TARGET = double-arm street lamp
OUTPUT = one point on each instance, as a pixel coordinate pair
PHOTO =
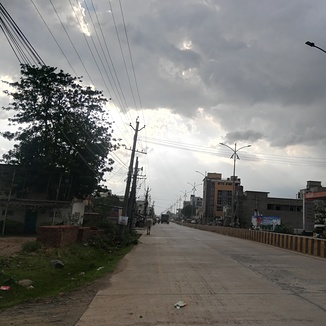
(193, 194)
(235, 156)
(193, 198)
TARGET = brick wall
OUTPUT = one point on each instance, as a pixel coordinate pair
(57, 236)
(83, 234)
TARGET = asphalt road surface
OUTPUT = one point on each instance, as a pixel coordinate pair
(223, 281)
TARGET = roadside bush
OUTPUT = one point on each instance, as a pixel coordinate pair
(101, 241)
(31, 246)
(113, 238)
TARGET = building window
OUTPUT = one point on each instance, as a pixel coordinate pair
(219, 208)
(224, 197)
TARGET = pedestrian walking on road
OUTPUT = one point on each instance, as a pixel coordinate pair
(149, 223)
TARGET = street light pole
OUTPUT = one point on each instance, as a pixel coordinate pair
(193, 198)
(204, 206)
(235, 156)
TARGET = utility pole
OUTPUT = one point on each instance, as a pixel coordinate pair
(146, 203)
(132, 198)
(7, 205)
(125, 209)
(152, 210)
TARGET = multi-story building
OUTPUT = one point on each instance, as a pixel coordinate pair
(217, 194)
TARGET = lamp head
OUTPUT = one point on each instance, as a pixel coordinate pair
(312, 44)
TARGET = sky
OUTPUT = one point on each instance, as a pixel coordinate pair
(194, 74)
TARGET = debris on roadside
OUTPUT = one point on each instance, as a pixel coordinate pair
(56, 263)
(26, 283)
(179, 304)
(4, 288)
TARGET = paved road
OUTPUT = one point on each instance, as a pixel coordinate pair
(223, 280)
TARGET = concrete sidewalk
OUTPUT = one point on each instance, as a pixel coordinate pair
(139, 293)
(223, 280)
(144, 289)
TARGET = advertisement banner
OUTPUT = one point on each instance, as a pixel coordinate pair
(265, 222)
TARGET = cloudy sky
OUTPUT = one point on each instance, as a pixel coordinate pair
(195, 73)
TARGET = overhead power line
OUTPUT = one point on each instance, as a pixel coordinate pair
(23, 50)
(258, 157)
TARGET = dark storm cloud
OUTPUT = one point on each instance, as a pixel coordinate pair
(243, 136)
(244, 62)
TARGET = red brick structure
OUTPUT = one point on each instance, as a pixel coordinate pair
(84, 233)
(58, 236)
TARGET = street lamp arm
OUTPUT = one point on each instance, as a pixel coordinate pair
(234, 150)
(227, 146)
(243, 147)
(313, 45)
(204, 175)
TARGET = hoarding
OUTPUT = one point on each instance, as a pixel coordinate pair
(265, 222)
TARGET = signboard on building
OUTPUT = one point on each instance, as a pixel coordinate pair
(269, 223)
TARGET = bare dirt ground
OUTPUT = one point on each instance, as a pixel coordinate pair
(64, 310)
(10, 245)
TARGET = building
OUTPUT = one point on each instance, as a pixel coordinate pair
(217, 194)
(30, 198)
(297, 215)
(257, 203)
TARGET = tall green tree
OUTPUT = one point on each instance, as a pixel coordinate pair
(61, 125)
(187, 211)
(320, 212)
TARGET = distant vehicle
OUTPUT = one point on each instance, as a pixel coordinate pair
(165, 218)
(193, 222)
(319, 231)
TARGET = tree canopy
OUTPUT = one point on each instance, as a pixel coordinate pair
(61, 125)
(187, 211)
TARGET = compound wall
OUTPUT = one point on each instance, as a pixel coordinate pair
(305, 245)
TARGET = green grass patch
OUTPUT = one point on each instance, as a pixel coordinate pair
(82, 264)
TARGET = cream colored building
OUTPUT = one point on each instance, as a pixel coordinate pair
(217, 195)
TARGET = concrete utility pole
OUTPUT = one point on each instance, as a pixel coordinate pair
(146, 203)
(127, 191)
(132, 199)
(7, 205)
